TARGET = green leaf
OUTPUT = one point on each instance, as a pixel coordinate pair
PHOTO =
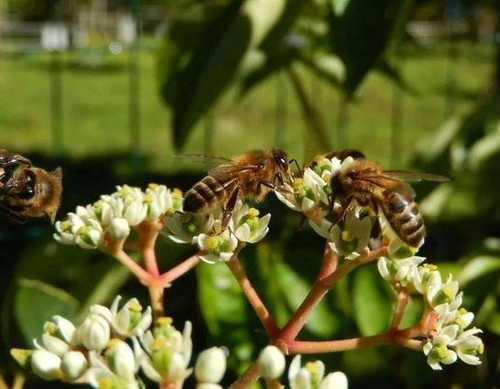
(478, 267)
(484, 149)
(106, 288)
(372, 304)
(272, 64)
(493, 323)
(193, 85)
(322, 323)
(447, 268)
(327, 66)
(227, 313)
(36, 302)
(361, 33)
(394, 74)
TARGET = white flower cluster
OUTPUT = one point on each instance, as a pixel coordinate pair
(97, 352)
(217, 244)
(311, 194)
(271, 364)
(112, 217)
(450, 337)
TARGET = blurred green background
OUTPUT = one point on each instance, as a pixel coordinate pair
(113, 91)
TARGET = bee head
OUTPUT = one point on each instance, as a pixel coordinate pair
(49, 191)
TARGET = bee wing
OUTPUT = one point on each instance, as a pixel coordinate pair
(414, 176)
(387, 182)
(230, 170)
(207, 161)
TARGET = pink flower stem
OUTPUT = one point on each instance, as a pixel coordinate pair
(252, 296)
(401, 303)
(312, 347)
(179, 270)
(148, 234)
(327, 277)
(143, 276)
(247, 379)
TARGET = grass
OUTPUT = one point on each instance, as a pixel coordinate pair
(95, 108)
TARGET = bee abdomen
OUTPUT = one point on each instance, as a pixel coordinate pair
(204, 195)
(406, 220)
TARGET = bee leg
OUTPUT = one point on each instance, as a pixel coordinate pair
(228, 211)
(14, 161)
(344, 207)
(268, 184)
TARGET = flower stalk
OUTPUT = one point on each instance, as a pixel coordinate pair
(251, 375)
(252, 296)
(328, 276)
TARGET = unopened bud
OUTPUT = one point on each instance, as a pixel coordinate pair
(94, 332)
(336, 380)
(271, 362)
(119, 228)
(46, 364)
(73, 365)
(121, 358)
(210, 365)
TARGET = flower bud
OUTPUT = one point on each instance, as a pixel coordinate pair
(54, 345)
(336, 380)
(64, 234)
(121, 358)
(271, 362)
(46, 364)
(94, 332)
(135, 212)
(104, 212)
(210, 365)
(65, 329)
(89, 236)
(119, 228)
(73, 365)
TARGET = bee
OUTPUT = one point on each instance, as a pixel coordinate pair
(27, 191)
(384, 191)
(253, 174)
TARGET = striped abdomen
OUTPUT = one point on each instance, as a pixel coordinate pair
(206, 194)
(405, 218)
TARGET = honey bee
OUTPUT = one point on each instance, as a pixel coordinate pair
(27, 191)
(253, 174)
(384, 191)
